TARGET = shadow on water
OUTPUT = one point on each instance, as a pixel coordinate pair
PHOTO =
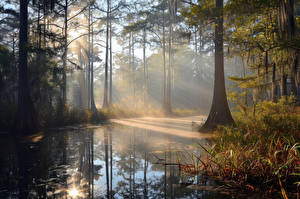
(107, 162)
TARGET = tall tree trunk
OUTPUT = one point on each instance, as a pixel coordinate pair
(274, 88)
(129, 61)
(283, 86)
(64, 86)
(105, 98)
(89, 59)
(25, 120)
(133, 68)
(93, 106)
(266, 75)
(110, 59)
(287, 29)
(293, 74)
(168, 109)
(164, 60)
(244, 75)
(144, 62)
(219, 112)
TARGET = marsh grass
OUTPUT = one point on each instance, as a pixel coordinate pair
(261, 152)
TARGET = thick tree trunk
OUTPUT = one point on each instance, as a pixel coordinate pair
(287, 29)
(219, 112)
(25, 121)
(64, 86)
(274, 88)
(286, 19)
(105, 98)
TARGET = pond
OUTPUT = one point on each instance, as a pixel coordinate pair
(110, 161)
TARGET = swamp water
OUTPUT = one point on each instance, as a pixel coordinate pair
(111, 161)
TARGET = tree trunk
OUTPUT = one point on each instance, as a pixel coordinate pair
(144, 61)
(129, 61)
(283, 86)
(168, 108)
(25, 120)
(133, 68)
(274, 89)
(164, 59)
(219, 112)
(293, 73)
(89, 59)
(110, 59)
(287, 29)
(64, 86)
(105, 98)
(93, 106)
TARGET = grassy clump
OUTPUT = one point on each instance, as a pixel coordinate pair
(262, 150)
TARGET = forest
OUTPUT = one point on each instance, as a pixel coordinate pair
(223, 75)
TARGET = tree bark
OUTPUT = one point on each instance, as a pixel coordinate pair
(25, 120)
(105, 98)
(144, 62)
(168, 108)
(133, 68)
(274, 89)
(89, 59)
(64, 86)
(219, 112)
(110, 59)
(93, 106)
(283, 86)
(164, 60)
(293, 73)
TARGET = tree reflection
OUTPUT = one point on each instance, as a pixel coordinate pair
(69, 164)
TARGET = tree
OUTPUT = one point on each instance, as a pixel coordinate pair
(93, 106)
(26, 120)
(219, 112)
(105, 97)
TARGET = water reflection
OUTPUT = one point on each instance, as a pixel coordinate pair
(105, 162)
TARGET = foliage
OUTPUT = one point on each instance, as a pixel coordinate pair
(261, 151)
(65, 115)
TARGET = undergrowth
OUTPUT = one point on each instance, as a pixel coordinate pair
(260, 153)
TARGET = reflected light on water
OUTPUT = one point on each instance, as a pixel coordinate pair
(73, 192)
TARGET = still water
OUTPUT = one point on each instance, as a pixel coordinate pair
(110, 161)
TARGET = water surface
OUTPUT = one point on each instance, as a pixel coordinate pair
(111, 161)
